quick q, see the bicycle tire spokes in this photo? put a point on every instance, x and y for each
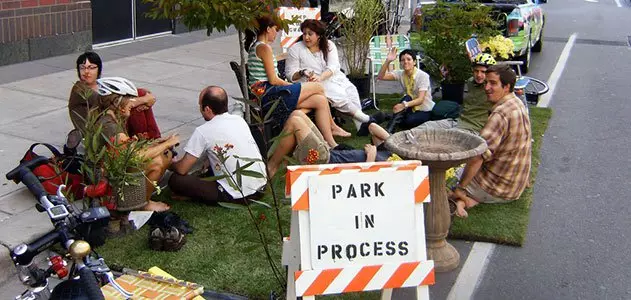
(536, 87)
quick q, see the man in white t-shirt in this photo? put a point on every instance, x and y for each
(224, 135)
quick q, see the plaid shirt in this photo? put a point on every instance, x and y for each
(504, 173)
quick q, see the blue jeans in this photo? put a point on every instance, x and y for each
(411, 118)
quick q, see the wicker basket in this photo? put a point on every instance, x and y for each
(134, 196)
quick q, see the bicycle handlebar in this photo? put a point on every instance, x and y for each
(23, 173)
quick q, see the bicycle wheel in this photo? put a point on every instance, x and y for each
(535, 87)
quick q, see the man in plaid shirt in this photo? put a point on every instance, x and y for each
(501, 173)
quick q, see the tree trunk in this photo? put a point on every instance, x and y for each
(244, 83)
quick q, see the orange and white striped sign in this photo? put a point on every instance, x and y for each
(296, 185)
(364, 278)
(338, 248)
(288, 13)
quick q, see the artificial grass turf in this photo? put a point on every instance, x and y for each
(505, 223)
(225, 255)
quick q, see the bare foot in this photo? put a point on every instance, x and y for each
(156, 206)
(460, 211)
(338, 131)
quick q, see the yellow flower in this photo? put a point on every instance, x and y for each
(394, 157)
(499, 46)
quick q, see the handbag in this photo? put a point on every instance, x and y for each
(60, 169)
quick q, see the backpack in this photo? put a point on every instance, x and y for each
(61, 169)
(445, 109)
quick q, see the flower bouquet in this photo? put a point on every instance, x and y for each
(499, 46)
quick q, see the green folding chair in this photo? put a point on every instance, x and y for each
(377, 56)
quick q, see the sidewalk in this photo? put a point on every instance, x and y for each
(34, 95)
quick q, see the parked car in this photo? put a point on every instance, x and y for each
(520, 20)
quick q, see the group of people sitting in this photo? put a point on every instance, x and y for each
(490, 109)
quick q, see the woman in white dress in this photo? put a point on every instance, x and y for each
(314, 58)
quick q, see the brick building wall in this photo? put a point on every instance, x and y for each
(34, 29)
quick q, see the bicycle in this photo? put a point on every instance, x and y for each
(87, 270)
(527, 88)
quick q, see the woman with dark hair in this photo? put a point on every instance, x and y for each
(84, 97)
(416, 105)
(314, 58)
(262, 71)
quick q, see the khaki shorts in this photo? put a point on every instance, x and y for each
(315, 145)
(479, 194)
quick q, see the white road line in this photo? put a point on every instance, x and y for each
(471, 273)
(592, 1)
(618, 3)
(544, 101)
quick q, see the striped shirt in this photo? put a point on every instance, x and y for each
(256, 69)
(506, 166)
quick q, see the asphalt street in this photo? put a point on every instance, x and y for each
(577, 245)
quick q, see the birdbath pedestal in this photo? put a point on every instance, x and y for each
(439, 149)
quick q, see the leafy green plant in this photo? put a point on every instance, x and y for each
(357, 31)
(123, 164)
(220, 15)
(447, 26)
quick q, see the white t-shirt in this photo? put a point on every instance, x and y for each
(421, 83)
(223, 131)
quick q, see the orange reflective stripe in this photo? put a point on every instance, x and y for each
(422, 191)
(400, 275)
(362, 279)
(430, 279)
(302, 203)
(322, 282)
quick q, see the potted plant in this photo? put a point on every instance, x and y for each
(123, 167)
(446, 28)
(357, 31)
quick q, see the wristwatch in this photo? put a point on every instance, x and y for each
(405, 103)
(302, 72)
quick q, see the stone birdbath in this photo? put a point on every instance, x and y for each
(439, 149)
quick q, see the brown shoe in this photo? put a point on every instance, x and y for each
(174, 239)
(156, 239)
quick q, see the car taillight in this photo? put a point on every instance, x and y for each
(513, 27)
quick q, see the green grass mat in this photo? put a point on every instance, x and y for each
(506, 223)
(224, 254)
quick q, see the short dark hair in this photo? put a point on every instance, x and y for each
(93, 58)
(216, 98)
(409, 52)
(506, 73)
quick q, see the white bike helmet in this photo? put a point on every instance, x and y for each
(116, 85)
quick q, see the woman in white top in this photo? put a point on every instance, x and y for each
(416, 105)
(314, 58)
(262, 72)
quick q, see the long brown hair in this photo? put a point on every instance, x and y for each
(319, 29)
(250, 35)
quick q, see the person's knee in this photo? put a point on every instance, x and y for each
(158, 165)
(297, 114)
(314, 87)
